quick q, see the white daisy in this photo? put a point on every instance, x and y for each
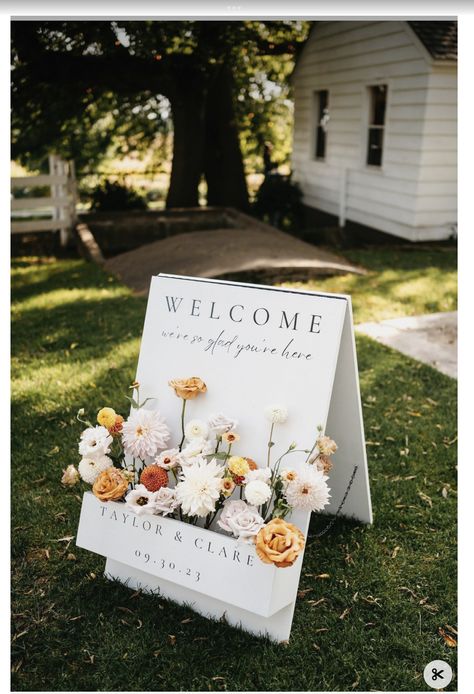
(165, 501)
(309, 490)
(199, 487)
(257, 492)
(196, 429)
(277, 414)
(168, 459)
(140, 500)
(144, 433)
(220, 424)
(91, 467)
(95, 441)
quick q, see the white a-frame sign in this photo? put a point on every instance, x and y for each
(253, 346)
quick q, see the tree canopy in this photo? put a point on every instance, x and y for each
(81, 86)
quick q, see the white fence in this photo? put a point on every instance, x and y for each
(56, 212)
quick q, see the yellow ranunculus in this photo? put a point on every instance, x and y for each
(106, 417)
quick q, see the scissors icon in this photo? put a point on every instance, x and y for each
(437, 674)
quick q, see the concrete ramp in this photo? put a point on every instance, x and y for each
(227, 251)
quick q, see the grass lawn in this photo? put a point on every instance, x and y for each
(372, 624)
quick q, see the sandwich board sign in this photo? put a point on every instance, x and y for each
(253, 346)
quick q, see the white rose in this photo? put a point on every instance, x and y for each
(220, 424)
(246, 523)
(230, 508)
(257, 492)
(165, 501)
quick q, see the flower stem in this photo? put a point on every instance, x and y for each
(270, 442)
(182, 424)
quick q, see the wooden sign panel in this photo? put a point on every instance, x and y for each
(253, 346)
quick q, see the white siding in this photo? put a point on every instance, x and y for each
(413, 194)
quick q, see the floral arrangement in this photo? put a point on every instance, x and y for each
(201, 480)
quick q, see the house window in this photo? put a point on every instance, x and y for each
(322, 118)
(377, 109)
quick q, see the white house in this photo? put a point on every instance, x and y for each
(375, 125)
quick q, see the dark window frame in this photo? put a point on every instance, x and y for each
(377, 121)
(321, 112)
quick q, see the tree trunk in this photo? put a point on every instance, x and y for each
(223, 164)
(188, 107)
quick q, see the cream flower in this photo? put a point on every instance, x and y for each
(326, 445)
(288, 475)
(199, 487)
(308, 491)
(277, 414)
(195, 450)
(95, 441)
(168, 459)
(257, 492)
(242, 520)
(165, 501)
(196, 429)
(261, 473)
(227, 486)
(219, 424)
(70, 476)
(91, 467)
(144, 433)
(140, 500)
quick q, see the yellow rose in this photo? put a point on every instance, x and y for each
(110, 485)
(188, 388)
(106, 417)
(279, 543)
(238, 466)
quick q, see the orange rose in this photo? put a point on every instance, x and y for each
(188, 388)
(279, 543)
(110, 485)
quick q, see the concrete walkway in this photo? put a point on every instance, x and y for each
(218, 252)
(431, 338)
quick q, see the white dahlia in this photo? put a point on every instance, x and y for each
(144, 433)
(91, 467)
(95, 441)
(199, 487)
(309, 491)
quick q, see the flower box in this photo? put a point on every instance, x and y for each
(203, 561)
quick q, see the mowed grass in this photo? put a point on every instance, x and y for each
(401, 281)
(372, 599)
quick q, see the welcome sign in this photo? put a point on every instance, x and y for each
(253, 346)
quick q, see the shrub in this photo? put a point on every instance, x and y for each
(278, 201)
(111, 196)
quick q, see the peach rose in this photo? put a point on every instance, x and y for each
(188, 388)
(110, 485)
(279, 543)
